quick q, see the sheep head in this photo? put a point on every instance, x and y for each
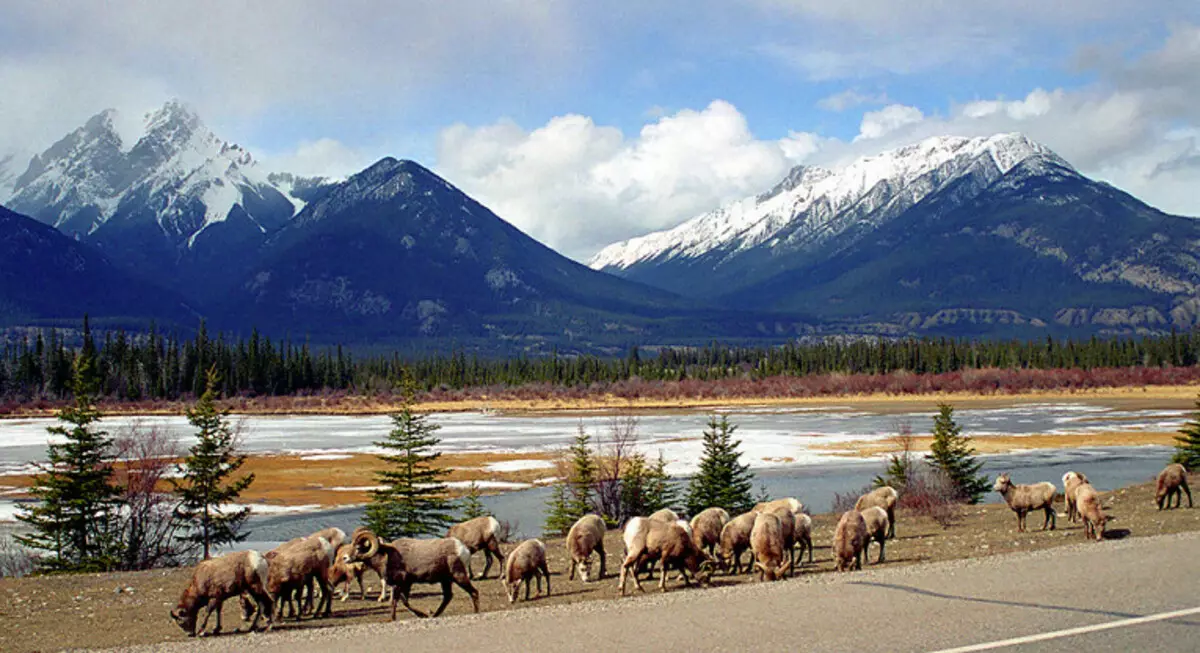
(1003, 483)
(366, 544)
(585, 568)
(705, 571)
(774, 574)
(185, 619)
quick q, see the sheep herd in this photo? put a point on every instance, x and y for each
(315, 566)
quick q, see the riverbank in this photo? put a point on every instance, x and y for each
(104, 610)
(1133, 397)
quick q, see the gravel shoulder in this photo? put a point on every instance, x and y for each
(126, 609)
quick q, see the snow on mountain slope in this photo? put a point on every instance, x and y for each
(177, 173)
(12, 164)
(814, 204)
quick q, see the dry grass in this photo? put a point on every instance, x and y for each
(1007, 443)
(97, 610)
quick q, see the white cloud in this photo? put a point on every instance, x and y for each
(876, 124)
(322, 157)
(850, 98)
(577, 186)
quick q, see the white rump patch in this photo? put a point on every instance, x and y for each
(493, 524)
(259, 565)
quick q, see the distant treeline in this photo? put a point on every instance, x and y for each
(163, 366)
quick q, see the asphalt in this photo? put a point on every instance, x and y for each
(919, 608)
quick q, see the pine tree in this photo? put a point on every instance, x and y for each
(558, 518)
(722, 480)
(472, 506)
(74, 519)
(412, 501)
(207, 486)
(582, 475)
(633, 487)
(951, 452)
(1187, 443)
(660, 492)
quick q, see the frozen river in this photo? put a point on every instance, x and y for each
(771, 437)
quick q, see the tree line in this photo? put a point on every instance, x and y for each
(158, 366)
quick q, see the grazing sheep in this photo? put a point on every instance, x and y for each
(1071, 482)
(1172, 482)
(792, 505)
(706, 528)
(654, 540)
(787, 521)
(214, 581)
(884, 497)
(291, 567)
(767, 541)
(877, 527)
(735, 540)
(586, 536)
(849, 540)
(526, 561)
(666, 516)
(804, 536)
(1087, 500)
(407, 561)
(480, 533)
(1023, 498)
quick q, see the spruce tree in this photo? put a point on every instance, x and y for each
(633, 487)
(412, 501)
(582, 475)
(207, 487)
(660, 492)
(472, 506)
(74, 519)
(558, 518)
(1187, 443)
(722, 480)
(951, 452)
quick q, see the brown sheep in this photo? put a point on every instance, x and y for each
(1071, 482)
(480, 533)
(670, 543)
(804, 536)
(767, 541)
(849, 540)
(445, 561)
(735, 540)
(291, 567)
(214, 581)
(706, 528)
(884, 497)
(1023, 498)
(1172, 482)
(1087, 500)
(586, 535)
(877, 528)
(526, 561)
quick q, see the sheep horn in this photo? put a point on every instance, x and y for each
(371, 541)
(759, 566)
(784, 568)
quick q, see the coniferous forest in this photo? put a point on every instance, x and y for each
(166, 366)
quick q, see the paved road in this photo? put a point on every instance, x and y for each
(921, 608)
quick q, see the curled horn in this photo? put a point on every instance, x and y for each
(759, 566)
(366, 544)
(784, 568)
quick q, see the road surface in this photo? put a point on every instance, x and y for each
(1127, 595)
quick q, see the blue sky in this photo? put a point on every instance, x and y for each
(584, 123)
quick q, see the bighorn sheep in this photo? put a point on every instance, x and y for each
(586, 535)
(787, 521)
(346, 566)
(666, 516)
(214, 581)
(877, 527)
(884, 497)
(767, 541)
(1172, 482)
(1087, 500)
(1023, 498)
(849, 540)
(407, 561)
(735, 539)
(480, 533)
(526, 561)
(804, 536)
(1071, 482)
(654, 540)
(291, 567)
(792, 505)
(706, 528)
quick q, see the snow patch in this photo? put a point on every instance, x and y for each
(518, 465)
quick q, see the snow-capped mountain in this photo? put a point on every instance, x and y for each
(12, 164)
(811, 207)
(176, 174)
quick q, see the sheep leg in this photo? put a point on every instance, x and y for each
(891, 523)
(487, 564)
(545, 572)
(463, 579)
(326, 598)
(809, 544)
(603, 568)
(662, 578)
(1020, 521)
(220, 604)
(882, 546)
(1184, 487)
(1051, 517)
(400, 593)
(208, 610)
(683, 574)
(384, 589)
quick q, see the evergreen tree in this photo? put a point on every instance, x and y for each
(900, 464)
(207, 486)
(1187, 443)
(472, 506)
(412, 501)
(558, 518)
(660, 492)
(74, 519)
(633, 487)
(722, 480)
(951, 452)
(582, 477)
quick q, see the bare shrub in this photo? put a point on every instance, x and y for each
(845, 501)
(148, 526)
(930, 493)
(613, 456)
(15, 560)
